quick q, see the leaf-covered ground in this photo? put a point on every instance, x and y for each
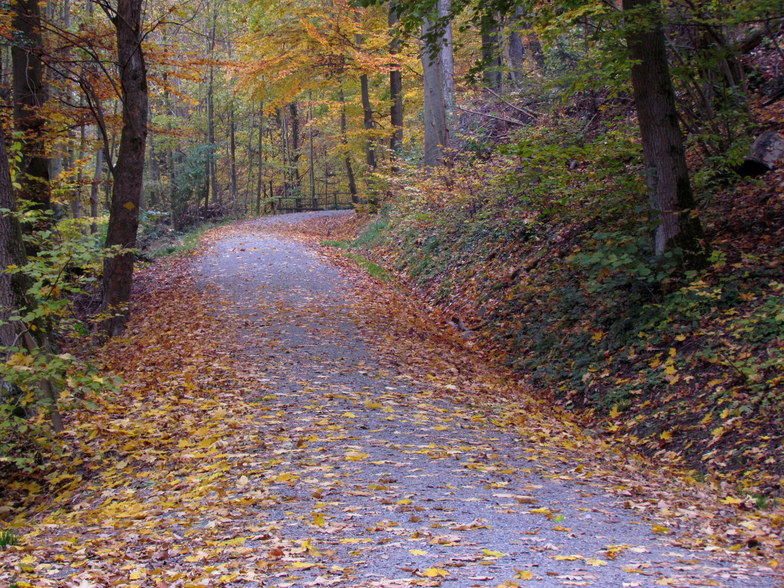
(286, 423)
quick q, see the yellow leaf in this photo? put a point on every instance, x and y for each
(318, 519)
(560, 528)
(615, 413)
(435, 573)
(666, 435)
(440, 428)
(595, 562)
(405, 501)
(370, 404)
(524, 574)
(541, 510)
(129, 205)
(418, 552)
(349, 415)
(235, 541)
(567, 557)
(356, 456)
(680, 337)
(27, 560)
(670, 370)
(285, 477)
(732, 500)
(492, 553)
(660, 529)
(138, 575)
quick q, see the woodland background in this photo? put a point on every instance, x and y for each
(498, 169)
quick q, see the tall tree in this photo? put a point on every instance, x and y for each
(30, 94)
(14, 288)
(436, 132)
(395, 85)
(129, 168)
(663, 150)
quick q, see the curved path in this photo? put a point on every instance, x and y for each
(385, 476)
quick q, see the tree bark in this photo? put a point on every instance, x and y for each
(212, 167)
(295, 155)
(14, 288)
(129, 169)
(395, 87)
(367, 119)
(491, 53)
(352, 182)
(435, 107)
(30, 94)
(679, 228)
(447, 57)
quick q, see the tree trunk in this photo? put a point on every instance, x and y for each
(14, 287)
(679, 228)
(295, 154)
(435, 107)
(395, 88)
(30, 94)
(94, 190)
(352, 182)
(260, 187)
(491, 53)
(129, 170)
(367, 119)
(212, 167)
(447, 57)
(312, 163)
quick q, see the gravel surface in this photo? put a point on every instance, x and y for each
(387, 483)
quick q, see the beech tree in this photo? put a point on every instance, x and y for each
(129, 168)
(436, 132)
(667, 174)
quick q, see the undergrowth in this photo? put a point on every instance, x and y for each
(545, 250)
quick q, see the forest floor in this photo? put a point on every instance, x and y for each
(284, 419)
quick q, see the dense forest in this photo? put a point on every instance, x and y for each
(586, 191)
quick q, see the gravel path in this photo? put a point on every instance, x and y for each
(385, 480)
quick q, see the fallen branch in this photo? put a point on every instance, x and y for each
(493, 116)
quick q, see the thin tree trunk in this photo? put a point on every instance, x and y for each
(129, 170)
(98, 175)
(367, 119)
(664, 154)
(352, 182)
(311, 167)
(395, 88)
(295, 154)
(260, 187)
(212, 166)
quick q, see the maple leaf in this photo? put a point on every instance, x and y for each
(435, 573)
